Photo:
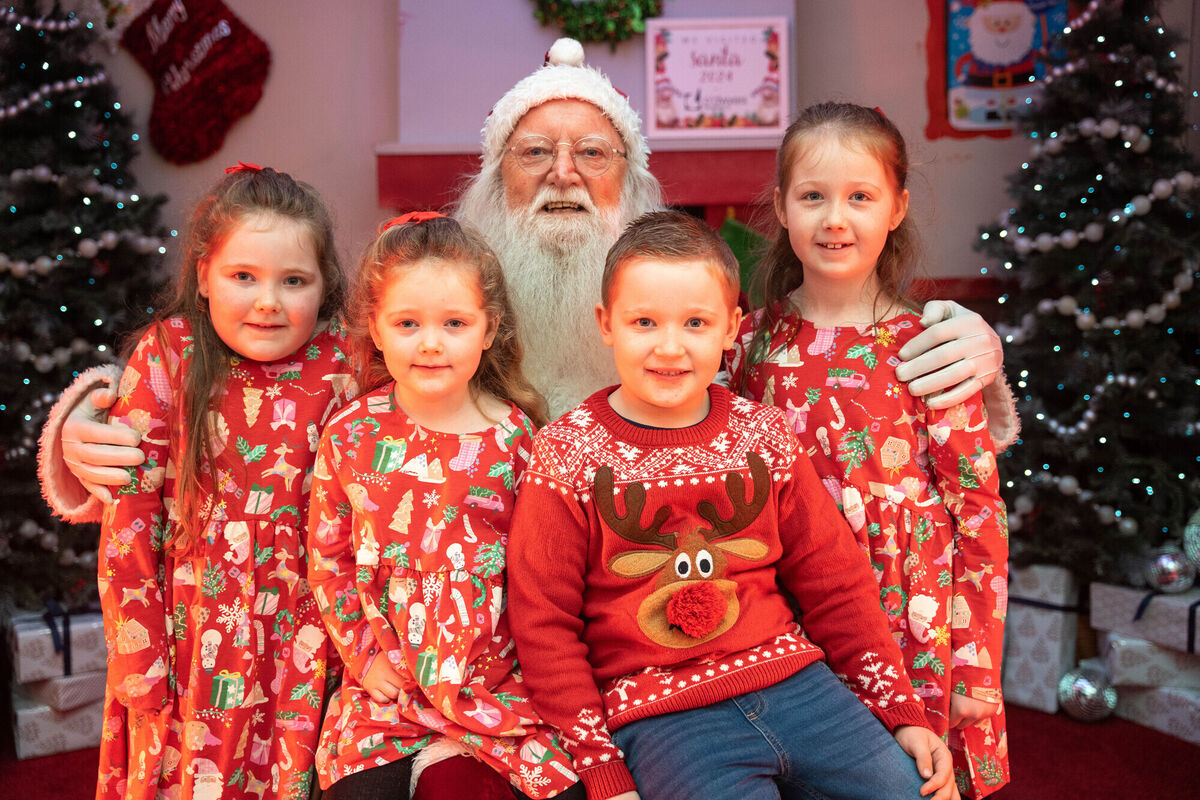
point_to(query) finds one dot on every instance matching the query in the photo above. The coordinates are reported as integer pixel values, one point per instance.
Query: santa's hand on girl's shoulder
(957, 355)
(96, 451)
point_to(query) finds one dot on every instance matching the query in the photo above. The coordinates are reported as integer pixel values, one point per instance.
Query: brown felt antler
(743, 513)
(629, 526)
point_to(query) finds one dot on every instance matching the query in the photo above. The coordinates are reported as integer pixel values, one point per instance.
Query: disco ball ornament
(1085, 694)
(1191, 539)
(1167, 569)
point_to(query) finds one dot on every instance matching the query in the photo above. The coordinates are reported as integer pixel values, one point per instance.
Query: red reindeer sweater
(644, 574)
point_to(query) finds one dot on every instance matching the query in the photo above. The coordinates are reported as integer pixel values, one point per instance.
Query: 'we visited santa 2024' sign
(717, 76)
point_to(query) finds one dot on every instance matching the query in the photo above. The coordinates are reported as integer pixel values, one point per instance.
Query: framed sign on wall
(723, 77)
(985, 57)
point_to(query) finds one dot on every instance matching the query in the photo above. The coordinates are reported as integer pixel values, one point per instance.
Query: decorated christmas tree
(79, 248)
(1102, 342)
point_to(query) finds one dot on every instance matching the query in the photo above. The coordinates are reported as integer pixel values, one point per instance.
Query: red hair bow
(241, 166)
(412, 216)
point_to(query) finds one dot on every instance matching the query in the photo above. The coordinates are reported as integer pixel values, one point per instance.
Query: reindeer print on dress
(920, 491)
(228, 636)
(408, 548)
(692, 601)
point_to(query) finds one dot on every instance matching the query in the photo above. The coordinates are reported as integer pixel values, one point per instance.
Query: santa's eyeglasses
(592, 155)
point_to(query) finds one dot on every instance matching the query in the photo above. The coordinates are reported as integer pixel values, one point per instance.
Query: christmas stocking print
(208, 70)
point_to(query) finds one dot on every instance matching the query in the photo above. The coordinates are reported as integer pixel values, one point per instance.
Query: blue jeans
(807, 737)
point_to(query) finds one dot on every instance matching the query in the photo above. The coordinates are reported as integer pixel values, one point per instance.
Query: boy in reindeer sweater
(652, 530)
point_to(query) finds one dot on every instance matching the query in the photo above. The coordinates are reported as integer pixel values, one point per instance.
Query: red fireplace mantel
(714, 179)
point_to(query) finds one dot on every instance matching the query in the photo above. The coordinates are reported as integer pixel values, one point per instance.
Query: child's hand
(966, 711)
(933, 761)
(382, 681)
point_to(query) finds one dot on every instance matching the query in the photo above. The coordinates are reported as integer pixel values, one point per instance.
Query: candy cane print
(460, 604)
(823, 439)
(838, 416)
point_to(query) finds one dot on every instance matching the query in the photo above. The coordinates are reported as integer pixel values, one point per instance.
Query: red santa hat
(564, 77)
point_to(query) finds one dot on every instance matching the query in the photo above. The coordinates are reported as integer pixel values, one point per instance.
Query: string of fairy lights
(1160, 189)
(87, 188)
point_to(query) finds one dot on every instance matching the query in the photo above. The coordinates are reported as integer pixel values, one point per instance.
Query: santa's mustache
(553, 198)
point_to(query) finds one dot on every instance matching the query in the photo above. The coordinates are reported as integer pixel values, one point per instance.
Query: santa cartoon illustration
(1001, 35)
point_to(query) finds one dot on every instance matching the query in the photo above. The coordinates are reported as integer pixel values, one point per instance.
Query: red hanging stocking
(208, 70)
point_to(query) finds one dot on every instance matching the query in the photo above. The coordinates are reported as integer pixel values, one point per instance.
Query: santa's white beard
(552, 264)
(1002, 49)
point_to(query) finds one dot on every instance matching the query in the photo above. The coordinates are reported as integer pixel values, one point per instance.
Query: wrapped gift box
(1130, 661)
(68, 691)
(1039, 635)
(39, 730)
(35, 657)
(1165, 708)
(1166, 619)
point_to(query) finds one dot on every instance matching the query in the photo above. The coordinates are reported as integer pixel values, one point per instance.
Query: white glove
(957, 355)
(95, 450)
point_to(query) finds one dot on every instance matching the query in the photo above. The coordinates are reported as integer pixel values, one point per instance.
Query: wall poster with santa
(984, 58)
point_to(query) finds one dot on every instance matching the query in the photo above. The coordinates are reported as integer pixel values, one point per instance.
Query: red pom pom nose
(697, 609)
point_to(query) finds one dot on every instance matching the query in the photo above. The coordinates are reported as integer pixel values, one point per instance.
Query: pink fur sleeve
(1003, 422)
(63, 492)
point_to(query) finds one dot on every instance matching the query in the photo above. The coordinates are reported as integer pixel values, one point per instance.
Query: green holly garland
(609, 21)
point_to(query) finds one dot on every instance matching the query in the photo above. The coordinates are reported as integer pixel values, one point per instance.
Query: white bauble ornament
(1087, 126)
(1141, 205)
(1093, 232)
(1162, 189)
(1085, 321)
(1068, 240)
(1066, 305)
(1109, 127)
(1135, 318)
(1184, 181)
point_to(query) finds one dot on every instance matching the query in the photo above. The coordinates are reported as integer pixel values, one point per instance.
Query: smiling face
(563, 191)
(838, 206)
(432, 329)
(264, 287)
(668, 323)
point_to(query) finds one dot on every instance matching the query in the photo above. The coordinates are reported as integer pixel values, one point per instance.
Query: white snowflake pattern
(232, 615)
(432, 498)
(532, 777)
(628, 451)
(789, 381)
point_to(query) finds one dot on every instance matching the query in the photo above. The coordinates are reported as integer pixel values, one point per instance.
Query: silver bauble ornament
(1191, 539)
(1167, 569)
(1086, 695)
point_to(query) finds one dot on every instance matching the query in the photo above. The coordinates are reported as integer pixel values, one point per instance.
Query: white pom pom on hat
(564, 77)
(567, 52)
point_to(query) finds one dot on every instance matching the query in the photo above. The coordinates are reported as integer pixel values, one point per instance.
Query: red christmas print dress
(408, 534)
(218, 658)
(920, 491)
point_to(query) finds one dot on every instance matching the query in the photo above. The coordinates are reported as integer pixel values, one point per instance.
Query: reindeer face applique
(692, 601)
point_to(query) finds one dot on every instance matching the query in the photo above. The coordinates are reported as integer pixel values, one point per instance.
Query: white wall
(414, 74)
